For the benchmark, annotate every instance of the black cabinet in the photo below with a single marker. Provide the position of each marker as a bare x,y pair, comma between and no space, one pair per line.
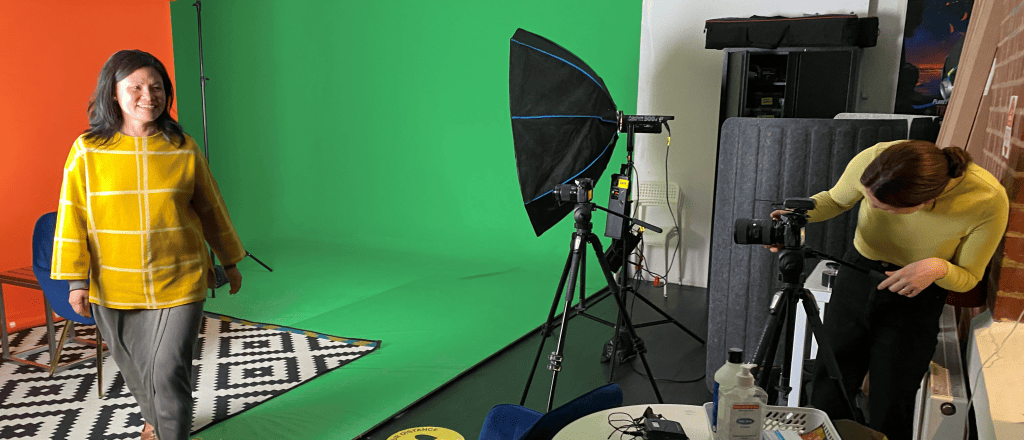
789,83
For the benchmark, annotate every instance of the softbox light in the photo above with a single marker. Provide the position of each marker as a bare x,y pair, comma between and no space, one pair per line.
564,123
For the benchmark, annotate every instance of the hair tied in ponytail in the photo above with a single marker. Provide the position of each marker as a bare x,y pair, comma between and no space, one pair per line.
957,159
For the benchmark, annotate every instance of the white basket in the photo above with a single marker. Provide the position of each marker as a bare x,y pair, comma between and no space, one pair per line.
801,420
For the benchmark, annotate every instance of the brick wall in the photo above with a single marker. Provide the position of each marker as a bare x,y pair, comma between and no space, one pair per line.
996,141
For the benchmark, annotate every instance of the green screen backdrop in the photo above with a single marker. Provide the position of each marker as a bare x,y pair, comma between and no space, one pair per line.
364,150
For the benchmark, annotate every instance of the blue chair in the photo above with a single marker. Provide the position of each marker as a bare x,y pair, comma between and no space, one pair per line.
514,422
57,293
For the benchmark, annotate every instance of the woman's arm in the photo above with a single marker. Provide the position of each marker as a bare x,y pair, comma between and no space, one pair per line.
976,249
70,239
213,213
847,190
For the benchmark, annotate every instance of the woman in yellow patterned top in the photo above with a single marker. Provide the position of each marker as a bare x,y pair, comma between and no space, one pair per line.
930,219
136,206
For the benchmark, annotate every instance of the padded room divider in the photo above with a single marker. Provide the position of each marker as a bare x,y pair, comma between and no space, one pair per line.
761,162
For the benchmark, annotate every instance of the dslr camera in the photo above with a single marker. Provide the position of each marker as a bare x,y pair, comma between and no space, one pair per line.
788,231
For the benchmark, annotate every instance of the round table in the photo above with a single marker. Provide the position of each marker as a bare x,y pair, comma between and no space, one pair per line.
693,418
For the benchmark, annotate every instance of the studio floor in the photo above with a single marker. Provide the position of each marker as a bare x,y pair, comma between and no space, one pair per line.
677,360
458,337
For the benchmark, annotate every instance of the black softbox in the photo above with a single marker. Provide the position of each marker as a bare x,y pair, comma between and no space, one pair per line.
564,123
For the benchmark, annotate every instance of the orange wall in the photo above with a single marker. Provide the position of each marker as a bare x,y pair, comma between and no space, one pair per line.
51,52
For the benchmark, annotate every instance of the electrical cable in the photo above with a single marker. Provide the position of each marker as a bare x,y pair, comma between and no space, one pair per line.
624,424
643,268
986,363
672,212
633,366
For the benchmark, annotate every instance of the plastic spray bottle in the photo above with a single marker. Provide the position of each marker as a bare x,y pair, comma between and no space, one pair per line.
742,409
725,380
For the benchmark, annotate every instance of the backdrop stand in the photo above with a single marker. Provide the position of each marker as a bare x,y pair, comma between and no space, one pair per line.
206,139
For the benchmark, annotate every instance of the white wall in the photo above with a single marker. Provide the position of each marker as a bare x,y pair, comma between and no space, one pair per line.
679,77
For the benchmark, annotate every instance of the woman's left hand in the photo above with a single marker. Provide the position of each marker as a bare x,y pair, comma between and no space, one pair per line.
234,278
914,278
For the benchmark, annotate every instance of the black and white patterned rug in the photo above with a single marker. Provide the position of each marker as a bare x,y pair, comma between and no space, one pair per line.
240,365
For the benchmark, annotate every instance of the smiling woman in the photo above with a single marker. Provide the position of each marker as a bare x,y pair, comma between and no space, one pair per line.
133,93
136,206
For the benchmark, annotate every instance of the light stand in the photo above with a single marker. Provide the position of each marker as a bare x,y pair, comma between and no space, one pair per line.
206,141
575,265
632,124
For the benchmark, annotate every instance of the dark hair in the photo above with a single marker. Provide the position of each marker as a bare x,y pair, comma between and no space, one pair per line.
913,172
105,118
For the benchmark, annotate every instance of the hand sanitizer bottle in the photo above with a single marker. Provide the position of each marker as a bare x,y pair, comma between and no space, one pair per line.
742,409
725,380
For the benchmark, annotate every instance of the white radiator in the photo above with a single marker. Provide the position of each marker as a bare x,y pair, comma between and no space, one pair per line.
941,409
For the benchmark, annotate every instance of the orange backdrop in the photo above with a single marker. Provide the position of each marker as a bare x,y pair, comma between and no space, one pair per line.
50,54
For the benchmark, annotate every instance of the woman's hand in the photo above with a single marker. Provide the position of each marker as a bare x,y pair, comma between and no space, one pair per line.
914,278
79,300
776,215
234,278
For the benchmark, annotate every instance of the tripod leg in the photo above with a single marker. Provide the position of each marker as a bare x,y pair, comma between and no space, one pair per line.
764,357
545,330
825,353
622,310
583,281
784,387
556,357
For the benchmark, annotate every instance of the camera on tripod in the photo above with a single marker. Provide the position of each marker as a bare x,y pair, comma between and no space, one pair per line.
580,191
788,231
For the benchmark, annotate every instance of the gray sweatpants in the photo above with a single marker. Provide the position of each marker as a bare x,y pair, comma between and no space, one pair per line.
154,349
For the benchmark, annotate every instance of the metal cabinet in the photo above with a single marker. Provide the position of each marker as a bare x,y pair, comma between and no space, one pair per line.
789,83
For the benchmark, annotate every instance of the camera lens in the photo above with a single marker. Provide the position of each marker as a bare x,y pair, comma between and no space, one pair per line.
752,231
565,193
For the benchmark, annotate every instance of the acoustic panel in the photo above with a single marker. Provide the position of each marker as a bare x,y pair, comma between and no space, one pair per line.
761,162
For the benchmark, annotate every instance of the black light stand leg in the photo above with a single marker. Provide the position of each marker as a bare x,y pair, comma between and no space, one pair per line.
206,139
668,319
545,330
605,269
247,254
616,335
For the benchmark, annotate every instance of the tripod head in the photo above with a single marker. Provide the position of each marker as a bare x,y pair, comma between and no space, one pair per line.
581,191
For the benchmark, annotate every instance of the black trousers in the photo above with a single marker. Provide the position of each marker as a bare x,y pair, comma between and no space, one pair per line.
888,335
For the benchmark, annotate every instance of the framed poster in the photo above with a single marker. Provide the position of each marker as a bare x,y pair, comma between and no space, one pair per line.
933,28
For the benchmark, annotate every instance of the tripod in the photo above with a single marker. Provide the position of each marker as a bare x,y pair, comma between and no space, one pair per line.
575,266
613,353
782,319
206,140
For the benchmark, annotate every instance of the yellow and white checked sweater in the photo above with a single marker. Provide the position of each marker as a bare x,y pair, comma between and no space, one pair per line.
964,226
133,217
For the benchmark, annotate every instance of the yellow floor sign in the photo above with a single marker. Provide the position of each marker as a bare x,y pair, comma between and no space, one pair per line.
426,433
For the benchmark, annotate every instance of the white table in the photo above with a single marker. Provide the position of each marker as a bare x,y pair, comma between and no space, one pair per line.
595,426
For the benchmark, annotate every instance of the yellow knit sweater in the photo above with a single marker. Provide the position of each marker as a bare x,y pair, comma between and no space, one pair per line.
963,228
133,217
